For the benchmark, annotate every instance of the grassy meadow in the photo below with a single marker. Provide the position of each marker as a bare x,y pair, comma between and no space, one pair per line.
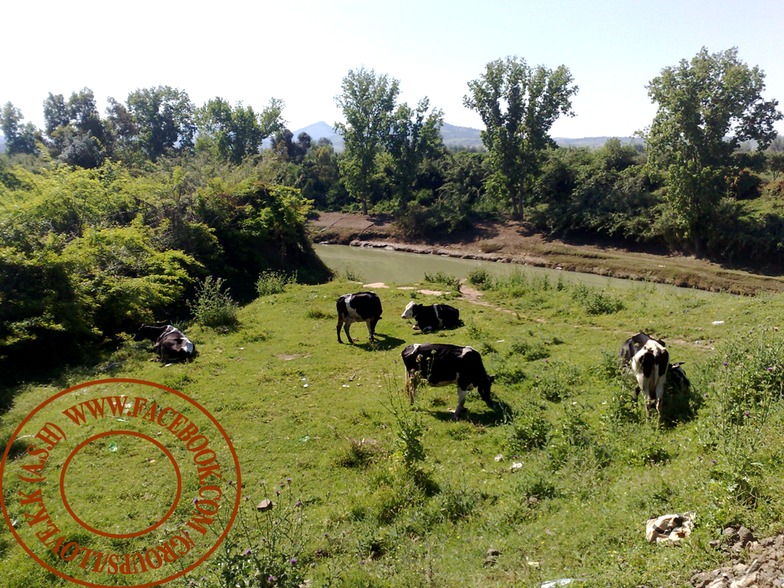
557,481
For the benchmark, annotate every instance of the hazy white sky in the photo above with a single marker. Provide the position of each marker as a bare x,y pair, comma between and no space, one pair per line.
299,51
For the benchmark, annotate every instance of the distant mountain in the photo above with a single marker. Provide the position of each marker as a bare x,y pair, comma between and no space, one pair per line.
322,130
456,137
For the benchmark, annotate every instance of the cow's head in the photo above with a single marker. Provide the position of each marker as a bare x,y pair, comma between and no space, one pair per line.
484,389
141,332
408,313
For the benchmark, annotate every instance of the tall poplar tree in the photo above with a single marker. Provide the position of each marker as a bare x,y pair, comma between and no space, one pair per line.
368,101
518,105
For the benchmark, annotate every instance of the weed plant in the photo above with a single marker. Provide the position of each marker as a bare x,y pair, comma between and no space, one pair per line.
213,306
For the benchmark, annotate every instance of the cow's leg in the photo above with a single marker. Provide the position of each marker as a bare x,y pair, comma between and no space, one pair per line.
461,396
346,326
371,327
340,324
659,397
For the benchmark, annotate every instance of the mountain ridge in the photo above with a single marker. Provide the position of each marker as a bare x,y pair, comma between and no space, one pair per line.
459,137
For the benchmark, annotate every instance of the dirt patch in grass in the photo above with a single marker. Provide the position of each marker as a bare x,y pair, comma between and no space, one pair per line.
515,242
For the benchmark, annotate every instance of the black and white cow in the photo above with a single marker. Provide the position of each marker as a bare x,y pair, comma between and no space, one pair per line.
676,380
650,365
443,364
358,307
433,316
632,345
170,342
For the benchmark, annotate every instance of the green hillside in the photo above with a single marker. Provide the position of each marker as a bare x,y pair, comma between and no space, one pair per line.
556,482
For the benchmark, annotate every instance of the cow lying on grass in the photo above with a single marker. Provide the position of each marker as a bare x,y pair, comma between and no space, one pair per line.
359,307
170,343
443,364
433,316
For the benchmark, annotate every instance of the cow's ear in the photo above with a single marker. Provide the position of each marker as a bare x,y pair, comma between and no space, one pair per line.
491,378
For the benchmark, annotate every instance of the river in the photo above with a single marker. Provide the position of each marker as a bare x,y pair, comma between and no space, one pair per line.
398,267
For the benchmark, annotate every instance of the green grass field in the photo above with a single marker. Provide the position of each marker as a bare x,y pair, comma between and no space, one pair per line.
556,482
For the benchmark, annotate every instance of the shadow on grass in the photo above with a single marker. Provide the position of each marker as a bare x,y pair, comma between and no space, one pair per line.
382,343
500,413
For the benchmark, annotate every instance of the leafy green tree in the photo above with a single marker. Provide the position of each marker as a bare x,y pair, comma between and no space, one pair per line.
294,151
518,105
368,101
319,177
775,163
19,137
706,108
236,132
153,122
76,134
415,134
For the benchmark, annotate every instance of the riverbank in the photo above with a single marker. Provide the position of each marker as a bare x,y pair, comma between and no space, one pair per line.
513,242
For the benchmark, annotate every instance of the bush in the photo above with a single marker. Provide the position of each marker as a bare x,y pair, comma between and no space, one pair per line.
272,282
480,278
214,307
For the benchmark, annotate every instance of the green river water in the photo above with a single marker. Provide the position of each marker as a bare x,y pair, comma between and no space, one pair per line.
397,267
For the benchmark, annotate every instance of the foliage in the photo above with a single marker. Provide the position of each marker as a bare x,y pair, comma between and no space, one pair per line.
272,282
706,108
213,306
518,105
597,301
367,103
235,132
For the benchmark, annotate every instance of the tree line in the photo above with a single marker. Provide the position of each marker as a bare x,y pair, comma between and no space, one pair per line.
106,220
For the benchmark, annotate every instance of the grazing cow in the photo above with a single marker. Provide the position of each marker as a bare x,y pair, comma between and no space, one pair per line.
434,316
170,343
358,307
650,365
632,345
676,379
443,364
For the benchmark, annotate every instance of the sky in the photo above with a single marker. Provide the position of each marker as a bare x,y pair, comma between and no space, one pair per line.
299,51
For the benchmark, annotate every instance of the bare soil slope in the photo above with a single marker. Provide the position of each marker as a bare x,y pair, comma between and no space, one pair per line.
515,242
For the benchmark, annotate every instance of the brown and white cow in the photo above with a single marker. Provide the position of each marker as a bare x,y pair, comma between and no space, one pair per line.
443,364
433,316
358,307
170,343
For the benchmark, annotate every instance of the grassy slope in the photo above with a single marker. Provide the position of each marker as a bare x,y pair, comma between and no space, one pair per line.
299,405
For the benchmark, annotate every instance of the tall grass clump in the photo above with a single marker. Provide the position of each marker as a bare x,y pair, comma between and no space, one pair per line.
596,302
272,282
213,306
481,278
557,380
529,430
442,278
